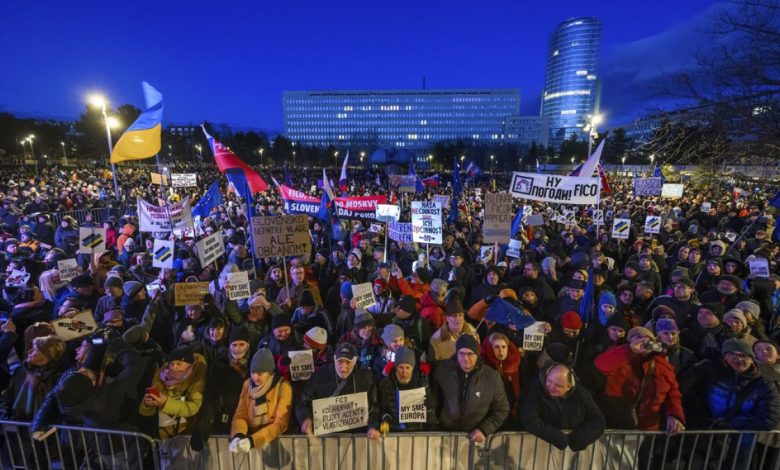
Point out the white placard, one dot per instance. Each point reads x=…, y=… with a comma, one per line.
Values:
x=80, y=325
x=555, y=188
x=442, y=199
x=92, y=240
x=68, y=269
x=363, y=295
x=388, y=213
x=598, y=217
x=400, y=232
x=533, y=337
x=706, y=206
x=515, y=248
x=162, y=257
x=238, y=285
x=17, y=278
x=340, y=413
x=184, y=180
x=672, y=190
x=486, y=253
x=376, y=228
x=621, y=228
x=534, y=220
x=301, y=364
x=653, y=224
x=759, y=267
x=426, y=222
x=153, y=218
x=411, y=406
x=210, y=248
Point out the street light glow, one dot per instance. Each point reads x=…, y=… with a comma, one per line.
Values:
x=596, y=119
x=113, y=122
x=97, y=100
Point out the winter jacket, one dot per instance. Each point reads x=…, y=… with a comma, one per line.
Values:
x=324, y=383
x=388, y=402
x=468, y=401
x=661, y=397
x=368, y=349
x=303, y=322
x=442, y=345
x=508, y=369
x=278, y=402
x=432, y=311
x=546, y=417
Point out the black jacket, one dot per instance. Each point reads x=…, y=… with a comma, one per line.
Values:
x=388, y=402
x=324, y=383
x=546, y=417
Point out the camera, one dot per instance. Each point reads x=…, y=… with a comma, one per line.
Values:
x=653, y=346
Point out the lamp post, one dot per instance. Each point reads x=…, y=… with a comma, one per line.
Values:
x=491, y=163
x=261, y=155
x=652, y=159
x=32, y=152
x=591, y=129
x=335, y=159
x=362, y=156
x=623, y=163
x=100, y=102
x=24, y=149
x=293, y=158
x=200, y=151
x=64, y=153
x=430, y=161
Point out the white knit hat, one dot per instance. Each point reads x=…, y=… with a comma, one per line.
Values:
x=316, y=338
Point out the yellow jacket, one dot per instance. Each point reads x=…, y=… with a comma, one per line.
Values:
x=279, y=399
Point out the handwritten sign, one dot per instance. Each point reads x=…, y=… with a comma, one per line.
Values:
x=68, y=269
x=301, y=364
x=340, y=413
x=648, y=186
x=533, y=337
x=672, y=190
x=759, y=267
x=411, y=406
x=514, y=249
x=189, y=293
x=210, y=248
x=498, y=217
x=184, y=180
x=284, y=235
x=363, y=295
x=159, y=179
x=442, y=199
x=238, y=285
x=426, y=222
x=400, y=232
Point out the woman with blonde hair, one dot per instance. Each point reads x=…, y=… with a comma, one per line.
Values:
x=52, y=287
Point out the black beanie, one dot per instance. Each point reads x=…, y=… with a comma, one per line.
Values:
x=183, y=354
x=281, y=319
x=467, y=341
x=239, y=333
x=715, y=307
x=75, y=389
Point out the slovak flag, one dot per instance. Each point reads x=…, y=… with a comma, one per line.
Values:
x=592, y=164
x=343, y=177
x=432, y=181
x=227, y=160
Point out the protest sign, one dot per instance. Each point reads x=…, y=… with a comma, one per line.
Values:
x=68, y=269
x=17, y=278
x=283, y=235
x=426, y=222
x=598, y=217
x=706, y=206
x=210, y=248
x=514, y=249
x=411, y=406
x=363, y=295
x=498, y=218
x=442, y=199
x=238, y=285
x=298, y=202
x=759, y=267
x=486, y=253
x=621, y=228
x=555, y=188
x=388, y=213
x=163, y=254
x=301, y=364
x=153, y=218
x=534, y=220
x=159, y=179
x=340, y=413
x=653, y=224
x=189, y=293
x=533, y=337
x=358, y=207
x=672, y=191
x=648, y=186
x=400, y=232
x=80, y=325
x=92, y=240
x=376, y=228
x=184, y=180
x=402, y=183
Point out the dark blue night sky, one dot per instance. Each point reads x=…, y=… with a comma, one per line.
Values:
x=230, y=61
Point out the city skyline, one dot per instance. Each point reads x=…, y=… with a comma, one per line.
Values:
x=229, y=68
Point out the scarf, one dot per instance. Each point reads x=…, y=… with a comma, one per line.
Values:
x=240, y=363
x=171, y=378
x=260, y=417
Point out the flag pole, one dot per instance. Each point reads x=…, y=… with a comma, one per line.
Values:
x=165, y=195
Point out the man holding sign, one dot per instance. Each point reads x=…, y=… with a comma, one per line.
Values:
x=346, y=384
x=405, y=400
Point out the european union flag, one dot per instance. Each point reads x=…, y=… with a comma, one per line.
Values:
x=588, y=298
x=505, y=313
x=775, y=202
x=210, y=200
x=418, y=184
x=457, y=188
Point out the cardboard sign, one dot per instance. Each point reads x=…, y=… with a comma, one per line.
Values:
x=162, y=255
x=400, y=232
x=238, y=286
x=92, y=240
x=82, y=324
x=672, y=191
x=534, y=220
x=486, y=253
x=388, y=213
x=759, y=267
x=555, y=188
x=189, y=293
x=184, y=180
x=442, y=199
x=653, y=224
x=648, y=186
x=363, y=295
x=621, y=228
x=68, y=269
x=706, y=206
x=411, y=406
x=533, y=337
x=515, y=248
x=153, y=218
x=159, y=179
x=284, y=235
x=340, y=413
x=210, y=248
x=17, y=278
x=301, y=364
x=598, y=217
x=426, y=222
x=498, y=218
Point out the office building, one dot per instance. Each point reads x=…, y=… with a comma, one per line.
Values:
x=571, y=85
x=523, y=131
x=410, y=119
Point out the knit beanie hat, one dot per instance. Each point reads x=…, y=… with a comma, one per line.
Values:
x=618, y=320
x=134, y=336
x=735, y=313
x=363, y=319
x=716, y=308
x=346, y=290
x=307, y=300
x=467, y=341
x=750, y=306
x=662, y=311
x=425, y=276
x=36, y=330
x=639, y=332
x=607, y=297
x=51, y=346
x=571, y=320
x=131, y=288
x=281, y=319
x=732, y=279
x=666, y=324
x=736, y=345
x=405, y=355
x=113, y=281
x=113, y=314
x=262, y=361
x=239, y=333
x=82, y=280
x=407, y=304
x=316, y=338
x=391, y=332
x=184, y=354
x=73, y=390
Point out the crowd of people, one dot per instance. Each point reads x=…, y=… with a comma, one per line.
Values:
x=666, y=332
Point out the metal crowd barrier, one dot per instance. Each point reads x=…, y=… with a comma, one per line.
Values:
x=74, y=447
x=99, y=214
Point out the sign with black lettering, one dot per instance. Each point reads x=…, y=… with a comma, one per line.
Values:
x=210, y=248
x=400, y=232
x=411, y=406
x=80, y=325
x=184, y=180
x=498, y=217
x=426, y=222
x=648, y=186
x=301, y=364
x=759, y=267
x=555, y=188
x=68, y=269
x=340, y=413
x=363, y=294
x=283, y=235
x=189, y=293
x=238, y=285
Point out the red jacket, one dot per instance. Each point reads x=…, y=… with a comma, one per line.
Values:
x=405, y=287
x=432, y=312
x=662, y=397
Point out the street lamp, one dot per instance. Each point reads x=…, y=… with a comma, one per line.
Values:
x=462, y=157
x=430, y=161
x=591, y=129
x=261, y=155
x=335, y=159
x=293, y=158
x=64, y=153
x=652, y=159
x=362, y=155
x=32, y=152
x=623, y=162
x=200, y=151
x=491, y=163
x=99, y=101
x=572, y=161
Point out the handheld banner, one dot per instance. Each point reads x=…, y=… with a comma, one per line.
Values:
x=153, y=218
x=555, y=188
x=340, y=413
x=283, y=235
x=426, y=222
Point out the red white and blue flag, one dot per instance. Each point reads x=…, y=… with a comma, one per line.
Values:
x=227, y=160
x=431, y=181
x=343, y=177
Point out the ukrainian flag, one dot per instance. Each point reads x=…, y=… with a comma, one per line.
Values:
x=142, y=139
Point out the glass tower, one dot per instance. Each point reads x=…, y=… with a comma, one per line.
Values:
x=411, y=119
x=571, y=86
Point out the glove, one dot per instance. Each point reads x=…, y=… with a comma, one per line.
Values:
x=234, y=442
x=196, y=441
x=245, y=445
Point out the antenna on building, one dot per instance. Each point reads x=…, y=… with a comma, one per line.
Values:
x=423, y=82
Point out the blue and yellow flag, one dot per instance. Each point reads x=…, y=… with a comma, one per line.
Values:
x=142, y=139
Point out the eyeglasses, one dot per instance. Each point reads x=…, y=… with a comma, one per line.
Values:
x=467, y=354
